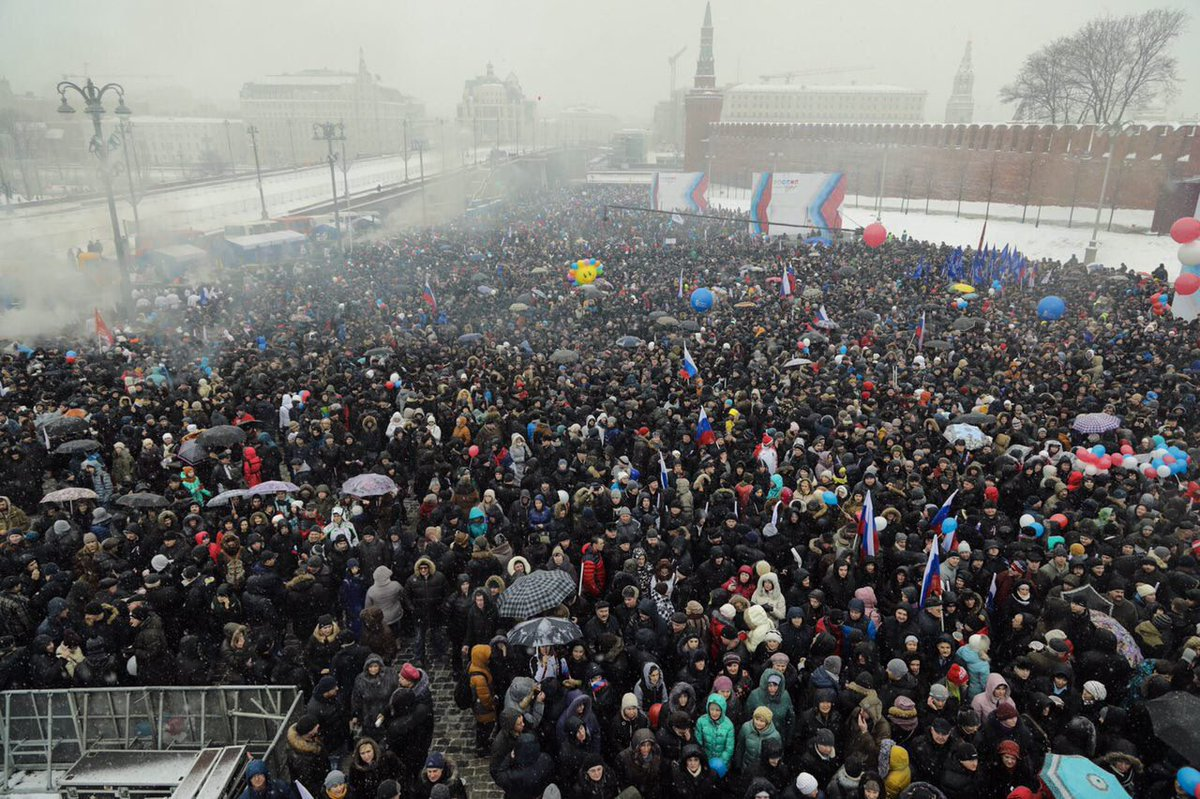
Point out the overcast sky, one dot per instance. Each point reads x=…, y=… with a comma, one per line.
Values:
x=610, y=54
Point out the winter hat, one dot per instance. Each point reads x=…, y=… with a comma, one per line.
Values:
x=410, y=673
x=628, y=700
x=903, y=714
x=1005, y=710
x=911, y=639
x=435, y=760
x=388, y=789
x=1009, y=748
x=256, y=768
x=722, y=683
x=939, y=692
x=896, y=669
x=325, y=685
x=305, y=724
x=334, y=778
x=833, y=665
x=958, y=675
x=963, y=750
x=1143, y=590
x=159, y=562
x=763, y=713
x=806, y=784
x=773, y=635
x=1096, y=689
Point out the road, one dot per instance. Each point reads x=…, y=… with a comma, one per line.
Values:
x=50, y=230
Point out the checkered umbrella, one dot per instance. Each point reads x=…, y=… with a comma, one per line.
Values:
x=369, y=485
x=545, y=631
x=535, y=593
x=1095, y=423
x=272, y=487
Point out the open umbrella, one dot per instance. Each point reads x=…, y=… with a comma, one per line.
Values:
x=143, y=499
x=470, y=338
x=938, y=344
x=962, y=288
x=654, y=316
x=666, y=321
x=1089, y=597
x=1076, y=777
x=190, y=452
x=564, y=356
x=973, y=418
x=486, y=291
x=965, y=323
x=590, y=289
x=845, y=272
x=546, y=631
x=77, y=447
x=539, y=270
x=221, y=436
x=629, y=342
x=378, y=352
x=1174, y=717
x=1126, y=644
x=55, y=424
x=222, y=499
x=1095, y=423
x=812, y=293
x=73, y=494
x=369, y=485
x=535, y=593
x=743, y=304
x=478, y=277
x=518, y=307
x=272, y=487
x=794, y=362
x=863, y=315
x=690, y=325
x=969, y=433
x=526, y=298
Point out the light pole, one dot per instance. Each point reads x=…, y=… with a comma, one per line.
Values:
x=329, y=132
x=125, y=128
x=93, y=99
x=1093, y=247
x=229, y=141
x=406, y=149
x=253, y=131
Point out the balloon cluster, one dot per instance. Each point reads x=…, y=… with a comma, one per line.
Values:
x=874, y=235
x=1186, y=231
x=1160, y=463
x=71, y=356
x=1051, y=308
x=1159, y=303
x=960, y=304
x=585, y=271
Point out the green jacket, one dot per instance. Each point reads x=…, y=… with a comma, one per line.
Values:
x=780, y=705
x=750, y=743
x=716, y=737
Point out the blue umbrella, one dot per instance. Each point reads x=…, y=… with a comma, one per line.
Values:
x=1075, y=777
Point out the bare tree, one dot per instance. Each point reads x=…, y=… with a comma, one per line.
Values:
x=1109, y=67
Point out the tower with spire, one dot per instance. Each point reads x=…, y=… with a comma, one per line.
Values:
x=960, y=108
x=702, y=105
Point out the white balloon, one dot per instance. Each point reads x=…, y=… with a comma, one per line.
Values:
x=1026, y=519
x=1129, y=462
x=1164, y=471
x=880, y=523
x=1189, y=254
x=1090, y=470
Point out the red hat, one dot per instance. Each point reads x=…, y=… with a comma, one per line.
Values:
x=410, y=673
x=958, y=675
x=991, y=494
x=1005, y=710
x=1008, y=747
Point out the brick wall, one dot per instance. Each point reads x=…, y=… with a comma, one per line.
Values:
x=1048, y=165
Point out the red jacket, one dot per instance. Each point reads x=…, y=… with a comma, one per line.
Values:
x=594, y=578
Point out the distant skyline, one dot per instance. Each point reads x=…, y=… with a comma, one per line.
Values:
x=609, y=55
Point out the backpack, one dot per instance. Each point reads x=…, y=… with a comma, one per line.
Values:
x=464, y=694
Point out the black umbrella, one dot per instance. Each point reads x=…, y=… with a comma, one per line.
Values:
x=973, y=418
x=77, y=447
x=143, y=500
x=536, y=593
x=1090, y=598
x=223, y=435
x=1174, y=717
x=58, y=425
x=964, y=323
x=547, y=631
x=938, y=344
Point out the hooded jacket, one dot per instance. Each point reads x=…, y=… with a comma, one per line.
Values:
x=716, y=737
x=387, y=594
x=370, y=694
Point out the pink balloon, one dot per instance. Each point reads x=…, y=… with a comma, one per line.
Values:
x=473, y=451
x=1185, y=229
x=1105, y=462
x=1168, y=459
x=1187, y=284
x=1126, y=449
x=1149, y=472
x=874, y=235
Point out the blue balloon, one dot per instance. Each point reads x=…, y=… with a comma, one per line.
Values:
x=829, y=498
x=1159, y=441
x=718, y=766
x=842, y=350
x=1099, y=450
x=1051, y=308
x=702, y=300
x=1188, y=779
x=1039, y=529
x=961, y=304
x=72, y=354
x=949, y=525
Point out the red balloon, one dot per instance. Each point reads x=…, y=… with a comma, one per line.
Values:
x=1059, y=519
x=1187, y=284
x=390, y=385
x=473, y=451
x=1126, y=449
x=1185, y=229
x=1159, y=310
x=874, y=235
x=869, y=385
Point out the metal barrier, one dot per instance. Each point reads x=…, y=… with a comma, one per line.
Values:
x=45, y=733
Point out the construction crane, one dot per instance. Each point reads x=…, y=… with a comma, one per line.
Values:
x=671, y=60
x=787, y=76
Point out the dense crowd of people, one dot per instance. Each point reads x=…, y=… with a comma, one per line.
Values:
x=742, y=633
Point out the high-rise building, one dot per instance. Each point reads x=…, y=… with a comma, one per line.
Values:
x=702, y=106
x=284, y=108
x=960, y=108
x=495, y=111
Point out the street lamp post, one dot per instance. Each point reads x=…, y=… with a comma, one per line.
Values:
x=1093, y=247
x=262, y=199
x=93, y=99
x=125, y=129
x=329, y=132
x=229, y=141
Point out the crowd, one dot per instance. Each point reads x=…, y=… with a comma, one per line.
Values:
x=745, y=628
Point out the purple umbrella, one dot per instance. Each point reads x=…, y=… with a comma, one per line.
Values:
x=369, y=485
x=273, y=487
x=1095, y=423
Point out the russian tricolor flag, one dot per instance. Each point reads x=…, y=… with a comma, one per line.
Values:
x=430, y=300
x=921, y=332
x=688, y=369
x=785, y=285
x=704, y=431
x=662, y=472
x=931, y=583
x=822, y=316
x=935, y=523
x=867, y=529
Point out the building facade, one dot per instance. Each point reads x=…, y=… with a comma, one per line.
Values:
x=285, y=107
x=496, y=112
x=196, y=144
x=960, y=108
x=702, y=105
x=788, y=103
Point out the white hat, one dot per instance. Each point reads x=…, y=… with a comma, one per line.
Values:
x=806, y=783
x=159, y=562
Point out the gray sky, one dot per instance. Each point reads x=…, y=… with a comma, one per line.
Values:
x=610, y=54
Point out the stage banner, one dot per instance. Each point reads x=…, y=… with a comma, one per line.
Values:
x=778, y=199
x=679, y=191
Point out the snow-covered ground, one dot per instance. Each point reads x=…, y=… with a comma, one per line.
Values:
x=1129, y=242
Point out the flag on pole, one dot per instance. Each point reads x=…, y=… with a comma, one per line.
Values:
x=785, y=287
x=681, y=284
x=935, y=523
x=931, y=583
x=688, y=369
x=662, y=472
x=102, y=331
x=991, y=596
x=921, y=332
x=867, y=529
x=704, y=431
x=430, y=300
x=822, y=315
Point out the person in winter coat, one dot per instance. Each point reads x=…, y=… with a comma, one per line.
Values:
x=961, y=776
x=368, y=766
x=409, y=731
x=771, y=693
x=759, y=729
x=353, y=596
x=574, y=746
x=595, y=780
x=527, y=773
x=307, y=762
x=641, y=765
x=691, y=778
x=259, y=784
x=427, y=590
x=439, y=770
x=975, y=658
x=619, y=733
x=715, y=733
x=376, y=635
x=252, y=467
x=326, y=708
x=321, y=646
x=369, y=696
x=155, y=663
x=388, y=595
x=485, y=703
x=898, y=774
x=652, y=688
